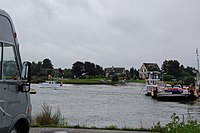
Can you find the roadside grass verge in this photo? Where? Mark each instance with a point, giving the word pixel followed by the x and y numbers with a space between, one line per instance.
pixel 111 127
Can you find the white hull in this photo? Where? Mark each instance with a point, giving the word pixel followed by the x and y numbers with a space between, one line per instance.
pixel 50 84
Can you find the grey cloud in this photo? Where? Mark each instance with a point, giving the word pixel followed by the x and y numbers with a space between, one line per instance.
pixel 107 32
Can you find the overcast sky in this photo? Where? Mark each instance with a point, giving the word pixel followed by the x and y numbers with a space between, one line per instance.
pixel 123 33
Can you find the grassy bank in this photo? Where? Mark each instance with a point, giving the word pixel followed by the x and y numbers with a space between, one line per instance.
pixel 137 81
pixel 96 81
pixel 86 81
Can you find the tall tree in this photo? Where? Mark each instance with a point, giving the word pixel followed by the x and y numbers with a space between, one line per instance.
pixel 132 72
pixel 37 69
pixel 78 68
pixel 47 64
pixel 90 68
pixel 171 67
pixel 68 73
pixel 99 70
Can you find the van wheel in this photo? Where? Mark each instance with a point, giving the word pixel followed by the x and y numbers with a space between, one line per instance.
pixel 16 129
pixel 20 127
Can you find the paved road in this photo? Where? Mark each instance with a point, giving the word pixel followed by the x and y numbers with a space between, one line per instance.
pixel 69 130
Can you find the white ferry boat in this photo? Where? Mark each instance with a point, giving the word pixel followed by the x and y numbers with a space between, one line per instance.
pixel 152 82
pixel 176 93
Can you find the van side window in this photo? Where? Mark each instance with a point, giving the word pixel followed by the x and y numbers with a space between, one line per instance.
pixel 10 68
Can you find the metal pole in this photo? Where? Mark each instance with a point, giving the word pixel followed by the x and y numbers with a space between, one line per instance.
pixel 198 74
pixel 197 60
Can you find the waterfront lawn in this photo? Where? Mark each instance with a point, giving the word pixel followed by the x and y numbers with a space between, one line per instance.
pixel 86 81
pixel 94 81
pixel 136 81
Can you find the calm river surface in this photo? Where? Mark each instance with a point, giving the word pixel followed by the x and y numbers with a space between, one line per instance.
pixel 103 105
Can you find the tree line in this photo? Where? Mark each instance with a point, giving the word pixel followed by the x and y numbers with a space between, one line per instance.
pixel 170 70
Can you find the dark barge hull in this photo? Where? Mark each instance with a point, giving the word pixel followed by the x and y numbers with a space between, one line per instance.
pixel 176 97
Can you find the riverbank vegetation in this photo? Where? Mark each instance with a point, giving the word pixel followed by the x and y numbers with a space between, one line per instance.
pixel 177 126
pixel 48 119
pixel 90 73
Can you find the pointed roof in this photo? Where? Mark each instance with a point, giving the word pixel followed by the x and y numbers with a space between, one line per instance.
pixel 152 66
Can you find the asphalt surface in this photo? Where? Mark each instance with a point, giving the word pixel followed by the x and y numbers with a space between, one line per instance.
pixel 69 130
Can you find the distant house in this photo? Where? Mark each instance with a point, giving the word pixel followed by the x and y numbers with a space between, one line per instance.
pixel 114 70
pixel 148 68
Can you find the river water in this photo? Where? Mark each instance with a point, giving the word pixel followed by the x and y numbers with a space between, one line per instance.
pixel 104 105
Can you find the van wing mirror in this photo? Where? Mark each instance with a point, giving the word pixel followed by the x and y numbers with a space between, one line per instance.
pixel 26 77
pixel 26 72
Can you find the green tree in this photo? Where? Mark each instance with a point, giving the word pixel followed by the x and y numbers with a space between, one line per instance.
pixel 134 73
pixel 90 68
pixel 190 71
pixel 68 73
pixel 37 69
pixel 78 69
pixel 189 80
pixel 171 67
pixel 168 77
pixel 46 63
pixel 115 78
pixel 99 70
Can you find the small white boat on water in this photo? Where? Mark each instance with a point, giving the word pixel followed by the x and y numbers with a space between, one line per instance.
pixel 50 84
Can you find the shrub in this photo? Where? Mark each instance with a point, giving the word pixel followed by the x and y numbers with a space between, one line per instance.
pixel 189 80
pixel 115 78
pixel 168 77
pixel 46 117
pixel 178 126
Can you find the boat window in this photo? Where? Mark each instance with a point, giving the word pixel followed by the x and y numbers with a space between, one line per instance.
pixel 10 68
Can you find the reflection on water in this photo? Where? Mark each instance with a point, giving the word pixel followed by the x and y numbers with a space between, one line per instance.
pixel 103 105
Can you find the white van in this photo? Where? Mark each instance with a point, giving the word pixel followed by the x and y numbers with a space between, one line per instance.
pixel 15 106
